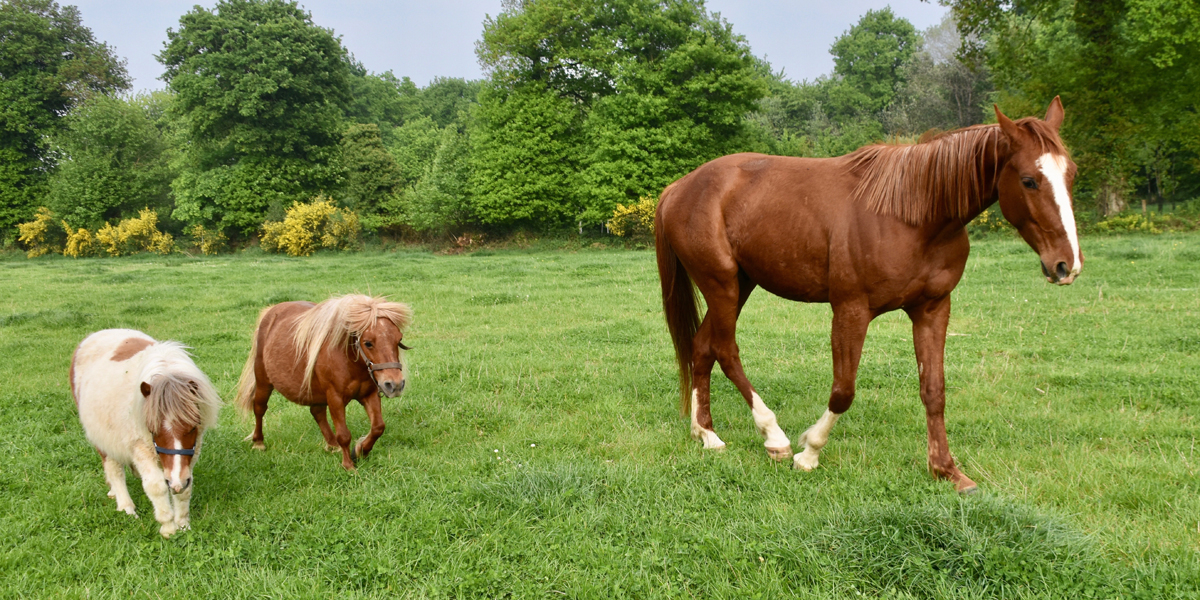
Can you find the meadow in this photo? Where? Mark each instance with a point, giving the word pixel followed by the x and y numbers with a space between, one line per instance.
pixel 538 450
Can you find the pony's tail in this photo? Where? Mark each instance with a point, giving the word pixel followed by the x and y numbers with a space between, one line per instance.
pixel 246 383
pixel 680 306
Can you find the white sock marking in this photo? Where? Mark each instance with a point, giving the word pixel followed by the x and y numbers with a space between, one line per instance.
pixel 768 426
pixel 707 436
pixel 1054 168
pixel 814 439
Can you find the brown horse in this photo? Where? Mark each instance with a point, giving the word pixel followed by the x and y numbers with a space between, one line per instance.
pixel 323 356
pixel 880 229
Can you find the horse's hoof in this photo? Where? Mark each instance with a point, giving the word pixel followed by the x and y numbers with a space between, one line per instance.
pixel 354 453
pixel 970 490
pixel 332 448
pixel 805 462
pixel 130 510
pixel 183 525
pixel 258 446
pixel 780 454
pixel 167 530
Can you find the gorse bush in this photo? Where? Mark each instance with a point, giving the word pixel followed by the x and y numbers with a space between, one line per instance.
pixel 135 235
pixel 39 235
pixel 80 242
pixel 208 241
pixel 309 226
pixel 635 220
pixel 989 221
pixel 1127 223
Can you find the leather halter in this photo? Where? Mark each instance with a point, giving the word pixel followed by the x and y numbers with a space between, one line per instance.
pixel 372 367
pixel 183 451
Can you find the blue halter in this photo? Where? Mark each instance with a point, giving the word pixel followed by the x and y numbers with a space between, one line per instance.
pixel 184 451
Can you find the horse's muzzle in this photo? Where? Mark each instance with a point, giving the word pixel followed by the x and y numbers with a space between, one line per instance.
pixel 1061 274
pixel 391 389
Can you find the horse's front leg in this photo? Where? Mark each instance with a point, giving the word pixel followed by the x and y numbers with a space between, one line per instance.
pixel 337 412
pixel 374 412
pixel 318 413
pixel 850 321
pixel 154 483
pixel 183 507
pixel 929 339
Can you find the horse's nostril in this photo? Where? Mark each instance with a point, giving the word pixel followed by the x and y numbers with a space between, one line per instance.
pixel 1045 271
pixel 402 382
pixel 1061 270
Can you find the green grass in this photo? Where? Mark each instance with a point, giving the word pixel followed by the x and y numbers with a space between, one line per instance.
pixel 538 451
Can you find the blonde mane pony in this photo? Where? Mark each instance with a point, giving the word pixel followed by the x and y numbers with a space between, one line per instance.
pixel 944 177
pixel 336 319
pixel 180 393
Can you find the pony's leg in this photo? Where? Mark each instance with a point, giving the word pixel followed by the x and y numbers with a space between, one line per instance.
pixel 145 460
pixel 337 411
pixel 114 474
pixel 929 340
pixel 262 393
pixel 374 412
pixel 183 506
pixel 850 323
pixel 318 413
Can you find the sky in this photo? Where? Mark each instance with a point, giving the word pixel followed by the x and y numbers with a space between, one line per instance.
pixel 423 39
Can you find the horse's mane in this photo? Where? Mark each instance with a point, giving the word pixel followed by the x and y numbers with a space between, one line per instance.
pixel 942 177
pixel 180 393
pixel 336 319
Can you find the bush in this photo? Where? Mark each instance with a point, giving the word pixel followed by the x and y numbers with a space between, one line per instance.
pixel 40 235
pixel 1127 224
pixel 635 220
pixel 134 235
pixel 298 233
pixel 208 242
pixel 79 242
pixel 989 221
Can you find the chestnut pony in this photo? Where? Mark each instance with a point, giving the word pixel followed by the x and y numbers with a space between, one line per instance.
pixel 323 356
pixel 880 229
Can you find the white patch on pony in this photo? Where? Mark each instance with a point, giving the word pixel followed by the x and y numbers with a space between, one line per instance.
pixel 814 439
pixel 707 436
pixel 178 466
pixel 768 426
pixel 1054 169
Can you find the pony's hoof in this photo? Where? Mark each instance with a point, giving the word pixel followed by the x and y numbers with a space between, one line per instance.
pixel 112 494
pixel 167 530
pixel 780 454
pixel 183 524
pixel 258 446
pixel 805 461
pixel 130 510
pixel 969 490
pixel 332 448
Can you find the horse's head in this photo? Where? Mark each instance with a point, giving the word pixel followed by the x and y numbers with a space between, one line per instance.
pixel 380 346
pixel 1035 192
pixel 175 431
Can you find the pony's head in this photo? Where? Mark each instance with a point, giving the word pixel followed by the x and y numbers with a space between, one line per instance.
pixel 180 403
pixel 370 328
pixel 1034 187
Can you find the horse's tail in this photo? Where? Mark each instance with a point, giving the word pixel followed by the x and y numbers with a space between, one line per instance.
pixel 680 304
pixel 246 383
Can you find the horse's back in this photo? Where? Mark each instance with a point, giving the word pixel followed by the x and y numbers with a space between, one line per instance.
pixel 281 365
pixel 105 375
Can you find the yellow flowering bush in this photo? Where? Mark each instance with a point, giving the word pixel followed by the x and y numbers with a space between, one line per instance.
pixel 988 221
pixel 635 219
pixel 80 242
pixel 209 242
pixel 134 235
pixel 1127 223
pixel 305 226
pixel 34 234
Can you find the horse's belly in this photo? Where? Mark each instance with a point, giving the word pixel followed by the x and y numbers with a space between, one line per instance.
pixel 803 278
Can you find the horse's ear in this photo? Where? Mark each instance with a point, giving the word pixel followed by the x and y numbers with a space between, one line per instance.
pixel 195 387
pixel 146 389
pixel 1054 114
pixel 1006 125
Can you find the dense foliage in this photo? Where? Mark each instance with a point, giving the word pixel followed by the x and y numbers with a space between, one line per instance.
pixel 588 108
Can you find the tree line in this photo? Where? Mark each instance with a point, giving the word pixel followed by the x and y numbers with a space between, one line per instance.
pixel 585 105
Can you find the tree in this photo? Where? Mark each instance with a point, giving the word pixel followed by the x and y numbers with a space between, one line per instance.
pixel 50 63
pixel 113 160
pixel 372 175
pixel 942 89
pixel 262 90
pixel 869 61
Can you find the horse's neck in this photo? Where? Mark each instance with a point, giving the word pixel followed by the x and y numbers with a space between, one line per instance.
pixel 992 164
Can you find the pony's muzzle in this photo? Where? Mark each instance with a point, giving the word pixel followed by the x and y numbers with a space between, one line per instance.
pixel 390 388
pixel 178 489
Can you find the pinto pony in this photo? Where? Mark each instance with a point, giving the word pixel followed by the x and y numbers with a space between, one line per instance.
pixel 144 403
pixel 880 229
pixel 323 356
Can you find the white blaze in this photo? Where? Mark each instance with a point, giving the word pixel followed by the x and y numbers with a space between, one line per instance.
pixel 1054 169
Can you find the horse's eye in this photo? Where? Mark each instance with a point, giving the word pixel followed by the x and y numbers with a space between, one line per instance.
pixel 1029 182
pixel 369 345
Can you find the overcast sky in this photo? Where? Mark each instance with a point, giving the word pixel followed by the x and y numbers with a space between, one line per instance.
pixel 424 39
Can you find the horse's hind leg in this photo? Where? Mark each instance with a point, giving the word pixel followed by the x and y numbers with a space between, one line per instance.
pixel 337 411
pixel 114 474
pixel 702 363
pixel 724 344
pixel 850 323
pixel 318 413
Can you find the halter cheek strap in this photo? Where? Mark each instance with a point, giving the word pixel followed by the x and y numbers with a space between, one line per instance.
pixel 372 367
pixel 183 451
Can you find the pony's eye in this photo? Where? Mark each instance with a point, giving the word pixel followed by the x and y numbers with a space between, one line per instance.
pixel 1029 182
pixel 369 345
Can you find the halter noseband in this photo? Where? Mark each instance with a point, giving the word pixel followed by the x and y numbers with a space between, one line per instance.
pixel 183 451
pixel 372 367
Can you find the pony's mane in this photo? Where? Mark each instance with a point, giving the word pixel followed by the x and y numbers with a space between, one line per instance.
pixel 942 177
pixel 180 393
pixel 336 319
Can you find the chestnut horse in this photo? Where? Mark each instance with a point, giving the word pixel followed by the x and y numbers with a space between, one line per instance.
pixel 880 229
pixel 323 356
pixel 144 403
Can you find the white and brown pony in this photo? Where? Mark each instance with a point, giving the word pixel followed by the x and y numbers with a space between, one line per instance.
pixel 323 356
pixel 144 403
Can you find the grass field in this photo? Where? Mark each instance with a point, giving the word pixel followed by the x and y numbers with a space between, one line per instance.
pixel 538 451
